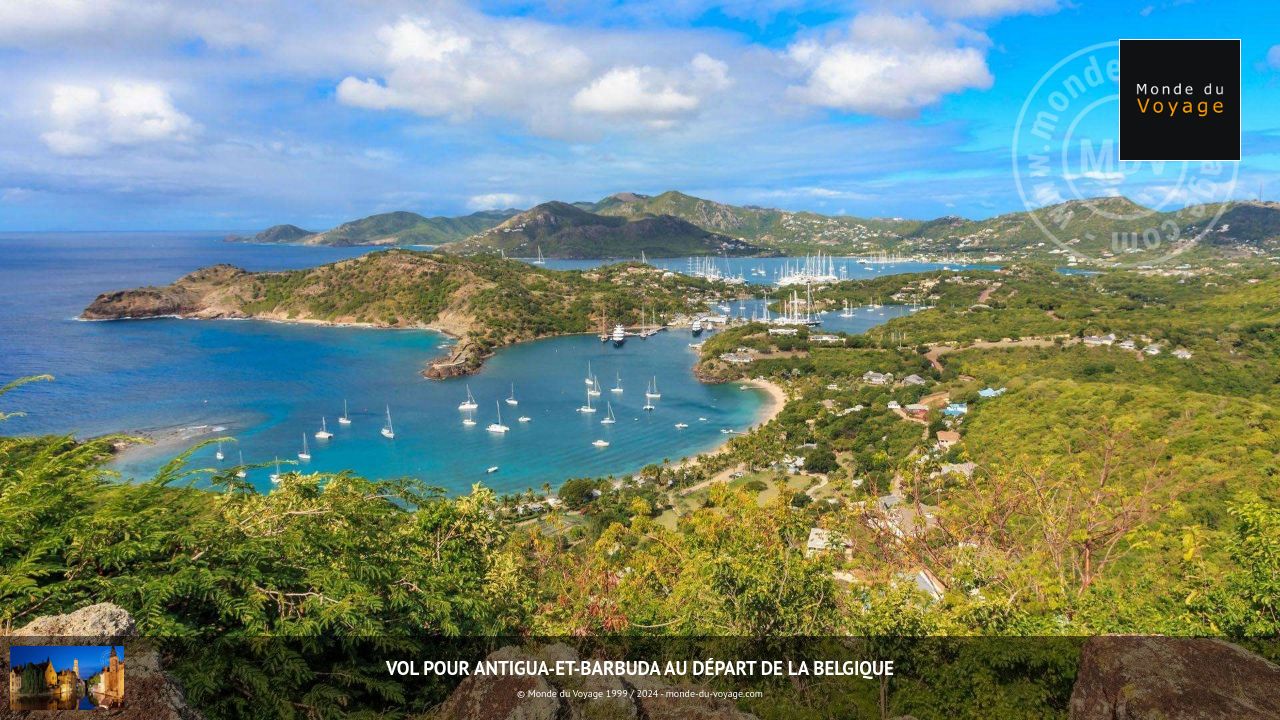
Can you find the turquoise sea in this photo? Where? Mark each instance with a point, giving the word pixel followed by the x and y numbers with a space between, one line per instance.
pixel 268 384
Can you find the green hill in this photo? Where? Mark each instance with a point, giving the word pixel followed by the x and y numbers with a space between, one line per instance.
pixel 281 234
pixel 562 230
pixel 763 226
pixel 393 228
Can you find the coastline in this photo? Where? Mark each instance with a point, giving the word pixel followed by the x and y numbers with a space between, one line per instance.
pixel 776 400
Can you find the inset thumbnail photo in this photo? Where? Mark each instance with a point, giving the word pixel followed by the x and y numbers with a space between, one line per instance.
pixel 66 677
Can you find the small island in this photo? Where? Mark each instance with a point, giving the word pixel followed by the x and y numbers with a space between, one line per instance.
pixel 485 302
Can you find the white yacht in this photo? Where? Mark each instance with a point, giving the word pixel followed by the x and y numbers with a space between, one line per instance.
pixel 681 426
pixel 697 327
pixel 601 443
pixel 469 403
pixel 617 387
pixel 323 433
pixel 388 431
pixel 218 455
pixel 523 418
pixel 345 419
pixel 305 454
pixel 241 473
pixel 652 393
pixel 498 427
pixel 609 419
pixel 512 400
pixel 275 476
pixel 619 335
pixel 469 420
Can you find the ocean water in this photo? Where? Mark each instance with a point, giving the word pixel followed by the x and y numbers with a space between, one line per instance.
pixel 268 384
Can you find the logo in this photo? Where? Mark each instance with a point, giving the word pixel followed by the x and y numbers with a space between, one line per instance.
pixel 1083 197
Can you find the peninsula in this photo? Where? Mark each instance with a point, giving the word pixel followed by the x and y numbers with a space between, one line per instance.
pixel 484 301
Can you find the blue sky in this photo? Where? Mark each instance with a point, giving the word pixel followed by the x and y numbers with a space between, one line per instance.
pixel 92 658
pixel 181 114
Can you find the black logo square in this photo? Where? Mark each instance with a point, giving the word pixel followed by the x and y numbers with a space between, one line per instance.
pixel 1179 100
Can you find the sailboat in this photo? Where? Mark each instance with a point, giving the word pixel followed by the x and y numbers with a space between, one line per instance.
pixel 305 454
pixel 610 419
pixel 241 473
pixel 587 408
pixel 541 260
pixel 594 390
pixel 218 455
pixel 590 378
pixel 523 418
pixel 617 387
pixel 388 431
pixel 681 426
pixel 652 393
pixel 469 403
pixel 848 311
pixel 275 476
pixel 643 259
pixel 498 427
pixel 512 400
pixel 346 416
pixel 469 420
pixel 601 443
pixel 323 433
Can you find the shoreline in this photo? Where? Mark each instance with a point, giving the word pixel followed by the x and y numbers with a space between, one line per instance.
pixel 776 400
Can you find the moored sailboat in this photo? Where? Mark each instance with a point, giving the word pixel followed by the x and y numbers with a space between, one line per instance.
pixel 345 419
pixel 306 453
pixel 609 419
pixel 323 433
pixel 388 431
pixel 469 403
pixel 587 408
pixel 498 427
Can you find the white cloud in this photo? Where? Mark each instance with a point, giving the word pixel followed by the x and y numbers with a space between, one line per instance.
pixel 989 8
pixel 445 66
pixel 891 66
pixel 86 120
pixel 652 95
pixel 1273 57
pixel 497 201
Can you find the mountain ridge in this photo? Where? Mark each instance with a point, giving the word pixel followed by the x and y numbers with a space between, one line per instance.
pixel 673 221
pixel 564 230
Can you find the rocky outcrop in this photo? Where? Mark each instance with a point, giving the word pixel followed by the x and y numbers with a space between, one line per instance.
pixel 150 692
pixel 191 295
pixel 104 620
pixel 1148 678
pixel 579 698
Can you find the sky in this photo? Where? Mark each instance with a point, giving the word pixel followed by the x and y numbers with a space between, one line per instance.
pixel 92 658
pixel 236 115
